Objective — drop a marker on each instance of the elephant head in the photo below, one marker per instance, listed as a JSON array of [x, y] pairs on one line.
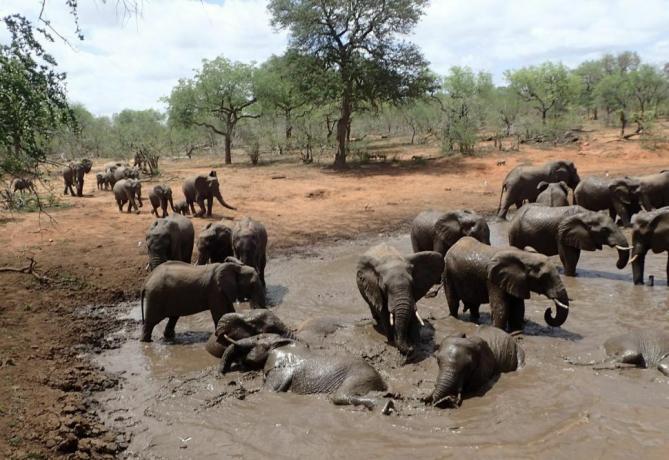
[[624, 198], [248, 285], [208, 186], [164, 193], [517, 272], [136, 187], [650, 233], [392, 286], [566, 171], [86, 165], [589, 231], [454, 225], [214, 243], [543, 185], [252, 351]]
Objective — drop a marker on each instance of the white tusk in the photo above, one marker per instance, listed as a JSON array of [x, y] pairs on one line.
[[147, 267], [557, 302], [623, 248], [633, 259], [420, 320], [392, 321]]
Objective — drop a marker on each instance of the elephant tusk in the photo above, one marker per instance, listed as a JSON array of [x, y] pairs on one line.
[[557, 302], [420, 320], [232, 341], [146, 269], [636, 256], [392, 321], [623, 248]]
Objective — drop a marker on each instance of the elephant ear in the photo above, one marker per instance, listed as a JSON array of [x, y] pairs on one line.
[[508, 271], [574, 231], [659, 227], [449, 229], [369, 282], [200, 182], [543, 185], [621, 191], [428, 267]]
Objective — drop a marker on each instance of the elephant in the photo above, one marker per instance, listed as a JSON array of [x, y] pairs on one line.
[[522, 181], [292, 366], [249, 242], [112, 165], [617, 195], [74, 174], [125, 191], [567, 230], [124, 172], [553, 194], [476, 273], [653, 190], [159, 197], [177, 289], [20, 184], [468, 364], [637, 348], [201, 188], [215, 244], [313, 331], [650, 232], [100, 177], [438, 231], [391, 284], [170, 238], [244, 324], [182, 208]]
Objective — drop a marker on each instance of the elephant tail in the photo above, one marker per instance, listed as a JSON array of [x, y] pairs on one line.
[[141, 304]]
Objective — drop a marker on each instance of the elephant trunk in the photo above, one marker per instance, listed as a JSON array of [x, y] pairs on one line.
[[219, 197], [638, 262], [171, 203], [258, 299], [155, 260], [448, 389], [620, 242], [561, 301], [403, 308], [202, 256]]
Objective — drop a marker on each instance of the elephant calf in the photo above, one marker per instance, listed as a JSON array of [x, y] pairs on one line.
[[170, 238], [177, 289], [467, 364], [249, 242], [438, 231], [618, 196], [553, 194], [215, 244], [476, 273], [292, 366], [159, 197], [650, 232], [182, 208], [203, 188], [566, 230], [126, 191]]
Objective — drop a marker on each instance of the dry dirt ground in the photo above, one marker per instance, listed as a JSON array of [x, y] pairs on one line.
[[95, 259]]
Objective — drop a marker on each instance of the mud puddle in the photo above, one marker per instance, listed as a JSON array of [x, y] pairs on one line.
[[176, 406]]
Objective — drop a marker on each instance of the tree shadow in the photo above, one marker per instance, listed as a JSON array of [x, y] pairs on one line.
[[595, 274], [275, 294], [188, 338], [438, 166]]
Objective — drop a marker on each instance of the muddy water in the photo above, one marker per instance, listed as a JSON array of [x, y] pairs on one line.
[[177, 407]]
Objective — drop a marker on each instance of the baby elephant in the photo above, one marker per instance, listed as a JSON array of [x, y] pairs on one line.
[[177, 289], [125, 191], [182, 208], [438, 231], [160, 196], [214, 244], [553, 194], [292, 366], [249, 242], [467, 364]]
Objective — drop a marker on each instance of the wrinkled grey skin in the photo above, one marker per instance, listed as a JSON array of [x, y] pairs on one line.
[[391, 284], [292, 366], [467, 364], [553, 194], [127, 191], [249, 242], [20, 184], [476, 273], [112, 165], [177, 289], [124, 172], [182, 208], [313, 331], [100, 178], [74, 174], [567, 230], [170, 238], [242, 325], [201, 188], [438, 231], [616, 195], [653, 191], [522, 181], [650, 232], [215, 245], [159, 197]]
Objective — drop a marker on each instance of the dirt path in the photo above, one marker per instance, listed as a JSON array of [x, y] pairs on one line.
[[96, 257]]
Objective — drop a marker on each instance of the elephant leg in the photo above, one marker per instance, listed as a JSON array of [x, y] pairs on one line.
[[667, 270], [147, 330], [120, 205], [663, 366], [200, 203], [192, 207], [516, 315], [279, 381], [261, 266], [342, 399], [210, 204], [569, 257], [169, 328], [474, 314], [451, 298], [499, 307]]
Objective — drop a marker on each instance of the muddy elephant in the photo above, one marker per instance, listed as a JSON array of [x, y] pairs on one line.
[[617, 195], [182, 208], [244, 324], [215, 245], [170, 238], [314, 331], [438, 231], [160, 196], [650, 232], [638, 348], [292, 366], [74, 174], [567, 230], [249, 242], [476, 273], [522, 181], [391, 284], [653, 190], [201, 188], [177, 289], [553, 194], [127, 191], [468, 364], [20, 184]]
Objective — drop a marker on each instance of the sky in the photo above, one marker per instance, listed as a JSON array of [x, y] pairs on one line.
[[131, 62]]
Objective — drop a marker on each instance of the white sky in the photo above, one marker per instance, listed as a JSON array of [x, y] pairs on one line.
[[132, 63]]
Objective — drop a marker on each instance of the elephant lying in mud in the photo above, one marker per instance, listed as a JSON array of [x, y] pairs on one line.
[[242, 325], [650, 233], [214, 244], [521, 182], [292, 366], [640, 348], [249, 242], [467, 364], [553, 194], [438, 231], [617, 195], [476, 273], [170, 238], [177, 289], [567, 230], [201, 188], [391, 284]]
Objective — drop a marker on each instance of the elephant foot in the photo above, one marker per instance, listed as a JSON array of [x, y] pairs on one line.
[[169, 334], [388, 407], [664, 368]]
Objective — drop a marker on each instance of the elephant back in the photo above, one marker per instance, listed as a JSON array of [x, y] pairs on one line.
[[508, 354]]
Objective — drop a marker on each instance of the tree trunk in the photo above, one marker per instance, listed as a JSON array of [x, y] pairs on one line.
[[228, 149], [343, 125], [594, 114], [543, 116], [623, 123], [289, 124]]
